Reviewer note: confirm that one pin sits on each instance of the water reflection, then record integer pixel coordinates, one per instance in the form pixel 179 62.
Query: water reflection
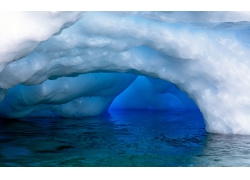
pixel 121 138
pixel 225 150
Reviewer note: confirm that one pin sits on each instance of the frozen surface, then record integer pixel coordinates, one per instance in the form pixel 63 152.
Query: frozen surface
pixel 205 54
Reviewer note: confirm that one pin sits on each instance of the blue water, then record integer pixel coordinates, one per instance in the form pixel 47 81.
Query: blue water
pixel 120 139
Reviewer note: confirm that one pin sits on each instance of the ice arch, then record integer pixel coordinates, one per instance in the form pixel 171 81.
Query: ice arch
pixel 204 54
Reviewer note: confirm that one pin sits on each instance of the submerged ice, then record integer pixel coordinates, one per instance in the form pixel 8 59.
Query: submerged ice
pixel 78 64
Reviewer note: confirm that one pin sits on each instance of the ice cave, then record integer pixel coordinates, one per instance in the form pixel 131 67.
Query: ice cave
pixel 81 64
pixel 124 88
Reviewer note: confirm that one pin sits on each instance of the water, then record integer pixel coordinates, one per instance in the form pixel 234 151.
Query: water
pixel 121 138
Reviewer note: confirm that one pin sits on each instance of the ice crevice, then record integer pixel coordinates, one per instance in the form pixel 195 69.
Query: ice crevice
pixel 75 64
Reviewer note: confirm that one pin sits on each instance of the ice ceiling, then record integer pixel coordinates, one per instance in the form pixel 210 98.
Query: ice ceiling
pixel 75 64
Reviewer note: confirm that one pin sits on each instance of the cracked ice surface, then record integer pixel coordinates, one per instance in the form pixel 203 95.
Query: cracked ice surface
pixel 205 54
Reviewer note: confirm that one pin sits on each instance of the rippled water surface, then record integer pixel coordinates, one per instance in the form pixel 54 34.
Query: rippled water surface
pixel 121 138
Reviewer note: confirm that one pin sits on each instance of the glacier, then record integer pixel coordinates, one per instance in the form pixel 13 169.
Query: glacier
pixel 76 64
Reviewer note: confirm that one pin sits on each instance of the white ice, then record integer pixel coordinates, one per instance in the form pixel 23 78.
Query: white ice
pixel 205 54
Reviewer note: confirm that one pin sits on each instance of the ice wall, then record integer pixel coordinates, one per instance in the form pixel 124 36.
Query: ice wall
pixel 205 54
pixel 153 94
pixel 84 95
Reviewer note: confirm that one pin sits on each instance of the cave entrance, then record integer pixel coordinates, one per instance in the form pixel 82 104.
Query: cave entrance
pixel 153 119
pixel 148 135
pixel 160 105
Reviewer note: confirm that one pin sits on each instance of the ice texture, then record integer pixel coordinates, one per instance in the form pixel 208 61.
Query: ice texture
pixel 153 94
pixel 84 95
pixel 65 63
pixel 21 32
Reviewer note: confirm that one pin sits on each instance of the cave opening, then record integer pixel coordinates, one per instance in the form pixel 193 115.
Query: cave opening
pixel 149 119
